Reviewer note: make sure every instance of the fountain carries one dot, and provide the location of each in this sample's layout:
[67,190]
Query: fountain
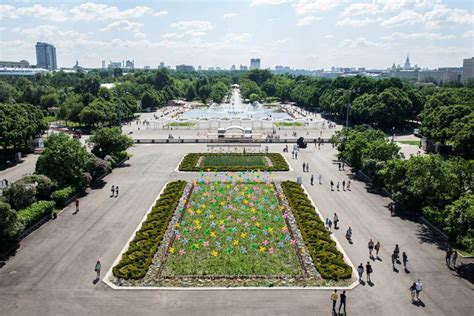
[235,108]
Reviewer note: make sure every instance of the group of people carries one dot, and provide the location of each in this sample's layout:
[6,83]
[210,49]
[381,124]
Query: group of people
[328,223]
[114,191]
[368,271]
[395,258]
[305,166]
[451,257]
[4,183]
[342,301]
[346,186]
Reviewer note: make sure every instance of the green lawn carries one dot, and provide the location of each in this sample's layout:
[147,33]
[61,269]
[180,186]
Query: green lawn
[233,160]
[409,142]
[289,124]
[232,229]
[180,124]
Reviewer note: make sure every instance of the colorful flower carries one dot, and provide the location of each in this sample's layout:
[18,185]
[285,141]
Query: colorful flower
[265,242]
[171,250]
[214,253]
[182,252]
[270,250]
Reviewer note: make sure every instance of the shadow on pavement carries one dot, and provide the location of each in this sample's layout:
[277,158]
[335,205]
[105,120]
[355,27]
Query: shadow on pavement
[8,252]
[465,271]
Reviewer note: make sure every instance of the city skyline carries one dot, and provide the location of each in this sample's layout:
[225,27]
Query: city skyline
[370,34]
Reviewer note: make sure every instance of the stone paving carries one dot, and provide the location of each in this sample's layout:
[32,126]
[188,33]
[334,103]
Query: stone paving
[52,271]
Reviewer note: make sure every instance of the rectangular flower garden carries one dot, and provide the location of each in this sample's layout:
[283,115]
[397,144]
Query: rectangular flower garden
[233,162]
[230,229]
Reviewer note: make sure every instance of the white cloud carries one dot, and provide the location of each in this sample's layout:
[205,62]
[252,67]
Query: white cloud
[47,32]
[266,2]
[237,37]
[360,9]
[392,5]
[468,34]
[404,18]
[160,13]
[329,36]
[303,7]
[421,35]
[229,15]
[362,42]
[48,13]
[95,11]
[441,13]
[123,25]
[307,20]
[355,22]
[195,25]
[282,41]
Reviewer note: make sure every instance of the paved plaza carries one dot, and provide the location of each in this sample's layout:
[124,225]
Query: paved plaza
[53,270]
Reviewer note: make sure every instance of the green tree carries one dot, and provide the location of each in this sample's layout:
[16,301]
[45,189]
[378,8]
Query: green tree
[460,222]
[109,141]
[63,160]
[218,91]
[7,221]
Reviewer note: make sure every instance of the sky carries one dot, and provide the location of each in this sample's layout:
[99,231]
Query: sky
[309,34]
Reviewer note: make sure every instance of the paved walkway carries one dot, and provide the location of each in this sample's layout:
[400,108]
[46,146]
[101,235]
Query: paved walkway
[52,272]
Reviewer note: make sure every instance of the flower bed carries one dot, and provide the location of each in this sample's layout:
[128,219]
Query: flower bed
[233,230]
[233,162]
[326,257]
[136,260]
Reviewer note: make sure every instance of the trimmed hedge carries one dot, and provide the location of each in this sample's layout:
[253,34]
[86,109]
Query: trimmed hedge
[136,260]
[32,214]
[190,160]
[61,196]
[326,257]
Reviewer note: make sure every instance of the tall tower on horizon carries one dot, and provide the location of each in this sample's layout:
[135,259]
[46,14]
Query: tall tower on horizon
[407,62]
[46,56]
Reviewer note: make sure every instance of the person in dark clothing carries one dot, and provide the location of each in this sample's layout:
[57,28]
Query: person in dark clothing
[342,302]
[449,252]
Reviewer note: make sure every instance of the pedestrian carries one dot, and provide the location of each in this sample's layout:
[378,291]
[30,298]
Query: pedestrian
[339,166]
[394,259]
[329,224]
[326,223]
[307,167]
[332,185]
[349,234]
[112,190]
[349,185]
[342,302]
[412,291]
[377,249]
[454,257]
[77,205]
[334,301]
[343,165]
[97,269]
[304,167]
[449,252]
[116,190]
[418,289]
[396,251]
[337,185]
[404,260]
[336,220]
[371,247]
[368,271]
[312,179]
[343,185]
[360,271]
[293,154]
[296,155]
[320,177]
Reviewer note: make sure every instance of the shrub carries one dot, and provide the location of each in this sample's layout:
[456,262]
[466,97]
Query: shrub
[136,260]
[7,220]
[20,194]
[61,196]
[97,167]
[327,259]
[32,214]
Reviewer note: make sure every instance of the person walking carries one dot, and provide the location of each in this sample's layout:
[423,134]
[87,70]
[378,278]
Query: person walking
[396,251]
[377,249]
[349,234]
[293,154]
[77,205]
[337,185]
[334,297]
[332,185]
[113,191]
[336,220]
[116,190]
[312,180]
[370,245]
[307,167]
[449,252]
[330,224]
[339,166]
[394,259]
[368,271]
[320,178]
[296,155]
[326,223]
[97,269]
[404,260]
[360,271]
[343,185]
[348,185]
[454,257]
[418,289]
[412,291]
[342,302]
[304,167]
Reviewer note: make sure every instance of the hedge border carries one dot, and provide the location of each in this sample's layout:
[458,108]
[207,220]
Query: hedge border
[327,259]
[135,262]
[190,160]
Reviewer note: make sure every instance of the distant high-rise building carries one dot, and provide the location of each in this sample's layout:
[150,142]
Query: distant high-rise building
[407,63]
[146,68]
[255,63]
[114,64]
[232,68]
[15,64]
[103,64]
[130,64]
[184,68]
[46,56]
[162,65]
[468,69]
[242,67]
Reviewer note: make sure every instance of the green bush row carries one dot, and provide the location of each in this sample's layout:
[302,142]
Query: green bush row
[190,160]
[32,214]
[61,196]
[326,257]
[136,260]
